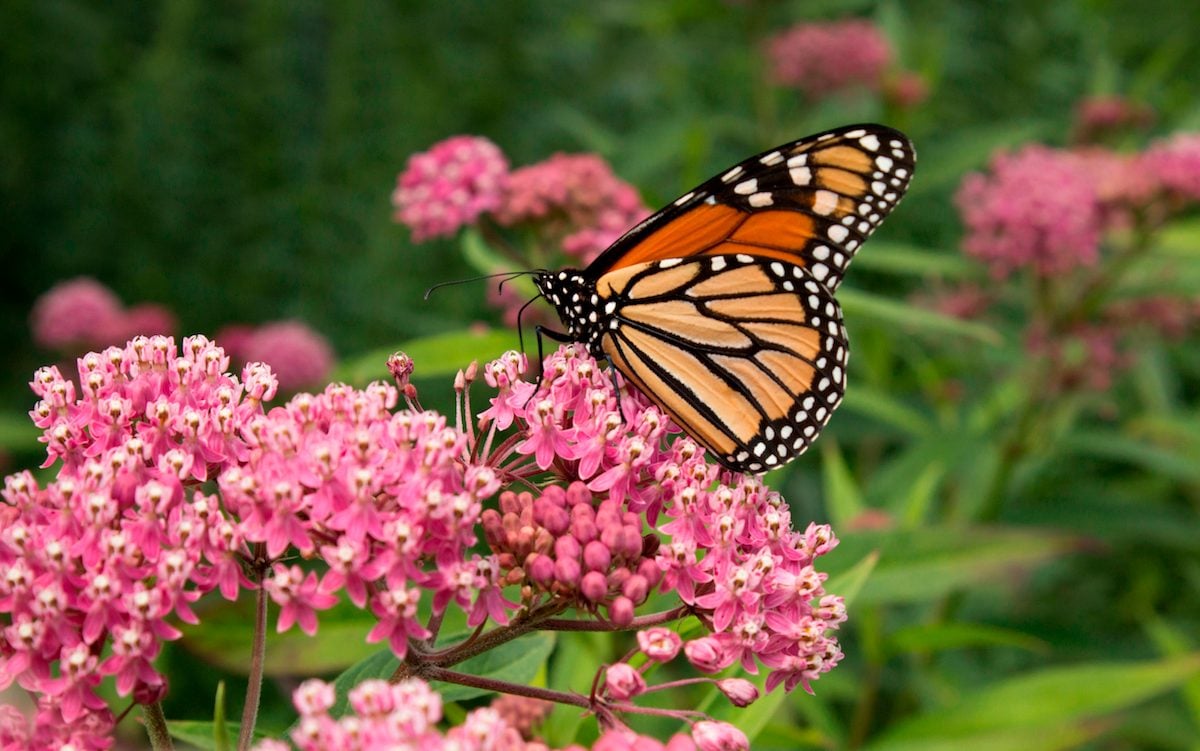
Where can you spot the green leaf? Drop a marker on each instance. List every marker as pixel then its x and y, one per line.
pixel 913 260
pixel 849 583
pixel 1114 445
pixel 941 164
pixel 17 433
pixel 1046 699
pixel 903 315
pixel 929 563
pixel 517 661
pixel 203 734
pixel 843 498
pixel 229 628
pixel 433 356
pixel 936 637
pixel 1060 738
pixel 220 725
pixel 876 404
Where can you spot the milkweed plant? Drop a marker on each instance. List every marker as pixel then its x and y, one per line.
pixel 562 505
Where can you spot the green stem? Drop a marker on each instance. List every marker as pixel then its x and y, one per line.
pixel 257 655
pixel 156 727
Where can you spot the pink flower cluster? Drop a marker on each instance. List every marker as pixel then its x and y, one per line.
pixel 1036 210
pixel 573 200
pixel 1098 117
pixel 299 356
pixel 729 550
pixel 824 58
pixel 174 481
pixel 449 186
pixel 406 715
pixel 82 313
pixel 1175 163
pixel 577 199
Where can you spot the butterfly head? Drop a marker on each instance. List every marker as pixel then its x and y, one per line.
pixel 575 300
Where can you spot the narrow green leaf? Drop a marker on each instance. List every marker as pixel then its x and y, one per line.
pixel 1111 444
pixel 1173 641
pixel 1049 698
pixel 1058 738
pixel 849 583
pixel 433 356
pixel 843 498
pixel 929 563
pixel 915 504
pixel 873 403
pixel 937 637
pixel 868 305
pixel 220 726
pixel 898 258
pixel 203 734
pixel 518 661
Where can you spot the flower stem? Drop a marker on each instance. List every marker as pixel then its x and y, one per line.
pixel 434 673
pixel 257 655
pixel 156 727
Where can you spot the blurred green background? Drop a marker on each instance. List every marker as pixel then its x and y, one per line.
pixel 1025 581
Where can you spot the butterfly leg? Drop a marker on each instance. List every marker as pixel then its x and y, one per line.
pixel 557 336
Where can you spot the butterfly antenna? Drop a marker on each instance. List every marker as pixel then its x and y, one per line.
pixel 521 312
pixel 503 275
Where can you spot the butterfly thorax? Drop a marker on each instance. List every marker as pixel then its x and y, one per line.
pixel 578 306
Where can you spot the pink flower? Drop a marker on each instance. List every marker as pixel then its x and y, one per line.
pixel 719 736
pixel 826 58
pixel 659 644
pixel 574 199
pixel 1175 162
pixel 147 319
pixel 298 355
pixel 449 186
pixel 1037 210
pixel 298 596
pixel 80 311
pixel 1099 117
pixel 741 692
pixel 622 681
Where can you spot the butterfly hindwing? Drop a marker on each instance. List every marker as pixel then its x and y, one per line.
pixel 812 202
pixel 747 355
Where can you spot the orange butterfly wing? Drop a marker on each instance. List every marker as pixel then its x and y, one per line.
pixel 812 202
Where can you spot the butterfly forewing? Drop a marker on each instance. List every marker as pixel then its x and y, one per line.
pixel 812 202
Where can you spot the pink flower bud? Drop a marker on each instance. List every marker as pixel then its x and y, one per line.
pixel 719 736
pixel 629 542
pixel 540 569
pixel 635 588
pixel 680 742
pixel 567 571
pixel 594 586
pixel 620 612
pixel 584 530
pixel 623 682
pixel 596 556
pixel 567 547
pixel 649 570
pixel 578 494
pixel 706 655
pixel 741 692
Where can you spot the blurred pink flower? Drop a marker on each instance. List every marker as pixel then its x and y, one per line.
pixel 298 355
pixel 905 89
pixel 147 319
pixel 575 198
pixel 1175 162
pixel 824 58
pixel 80 311
pixel 1101 116
pixel 449 186
pixel 1037 209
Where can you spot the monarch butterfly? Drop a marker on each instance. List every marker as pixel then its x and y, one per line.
pixel 720 306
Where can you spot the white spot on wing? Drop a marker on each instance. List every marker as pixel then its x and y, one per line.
pixel 838 233
pixel 732 174
pixel 824 202
pixel 746 187
pixel 758 200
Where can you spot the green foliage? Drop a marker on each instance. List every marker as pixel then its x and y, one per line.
pixel 1020 564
